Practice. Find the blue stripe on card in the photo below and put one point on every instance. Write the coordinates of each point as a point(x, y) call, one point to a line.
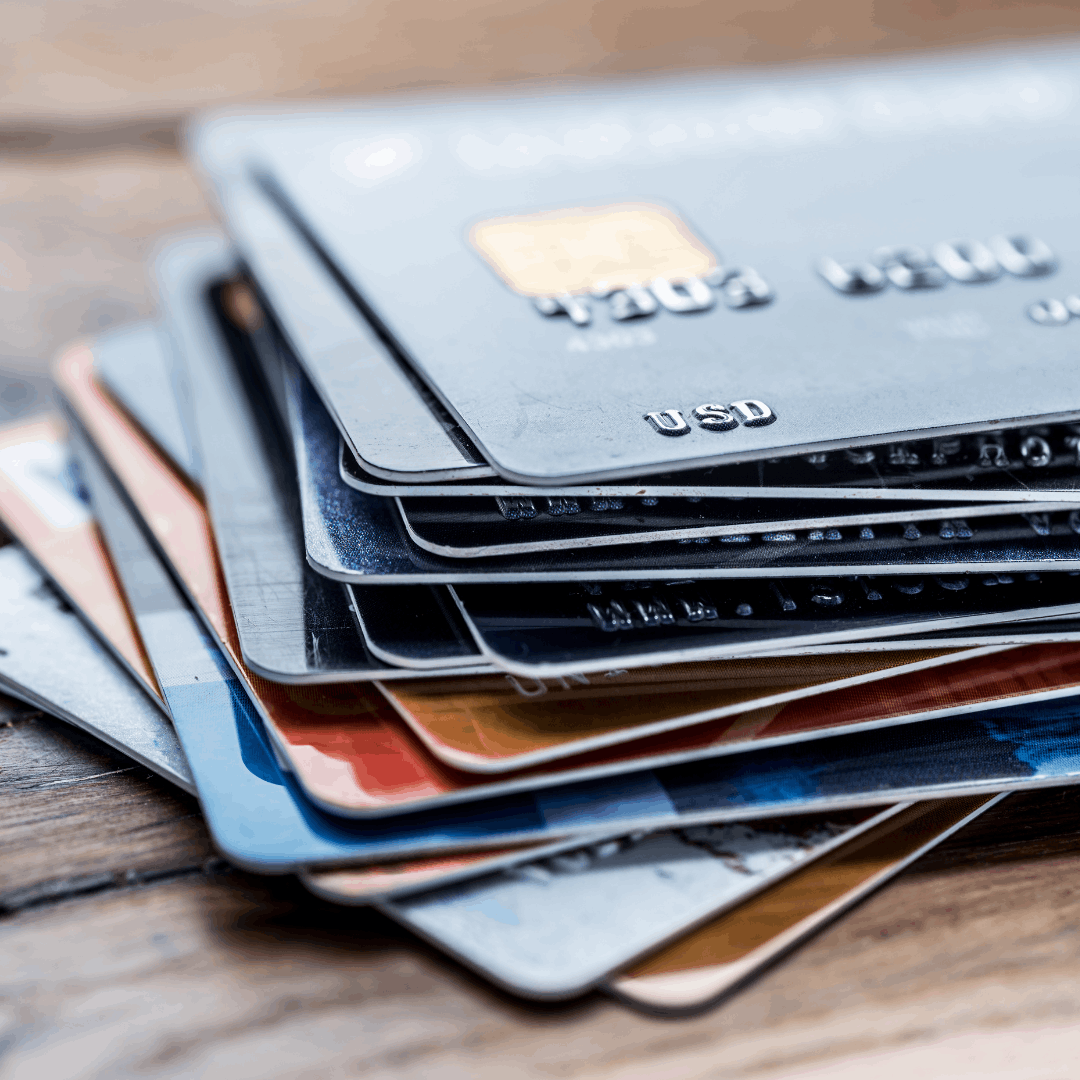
point(635, 795)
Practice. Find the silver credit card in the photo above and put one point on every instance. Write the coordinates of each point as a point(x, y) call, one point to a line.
point(51, 660)
point(981, 471)
point(644, 279)
point(137, 366)
point(553, 928)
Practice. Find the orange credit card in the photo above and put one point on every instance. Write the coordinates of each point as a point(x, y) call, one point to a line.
point(41, 507)
point(364, 884)
point(707, 965)
point(502, 723)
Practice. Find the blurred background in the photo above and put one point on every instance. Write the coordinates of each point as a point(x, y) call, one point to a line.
point(95, 90)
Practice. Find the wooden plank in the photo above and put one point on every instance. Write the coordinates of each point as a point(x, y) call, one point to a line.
point(75, 816)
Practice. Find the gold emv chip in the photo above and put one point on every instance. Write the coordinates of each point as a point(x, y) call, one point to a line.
point(585, 249)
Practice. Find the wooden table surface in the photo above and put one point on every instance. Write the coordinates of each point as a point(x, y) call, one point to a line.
point(127, 948)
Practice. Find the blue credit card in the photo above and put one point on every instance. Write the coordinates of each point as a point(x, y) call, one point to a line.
point(261, 820)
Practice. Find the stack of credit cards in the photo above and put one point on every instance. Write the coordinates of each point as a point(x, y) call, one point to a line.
point(612, 531)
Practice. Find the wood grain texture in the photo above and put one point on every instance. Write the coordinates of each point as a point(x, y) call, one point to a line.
point(76, 817)
point(83, 60)
point(75, 235)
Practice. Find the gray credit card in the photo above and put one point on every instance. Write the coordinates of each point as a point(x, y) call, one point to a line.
point(138, 367)
point(51, 660)
point(643, 279)
point(399, 441)
point(1012, 465)
point(392, 423)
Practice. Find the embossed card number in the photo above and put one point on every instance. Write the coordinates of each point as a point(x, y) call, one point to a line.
point(967, 261)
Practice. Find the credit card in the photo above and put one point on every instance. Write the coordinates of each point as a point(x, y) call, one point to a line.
point(556, 630)
point(42, 507)
point(718, 959)
point(478, 528)
point(906, 472)
point(632, 280)
point(414, 626)
point(555, 928)
point(138, 366)
point(499, 723)
point(316, 318)
point(350, 536)
point(49, 659)
point(313, 317)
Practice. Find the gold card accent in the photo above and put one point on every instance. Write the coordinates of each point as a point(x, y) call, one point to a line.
point(587, 248)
